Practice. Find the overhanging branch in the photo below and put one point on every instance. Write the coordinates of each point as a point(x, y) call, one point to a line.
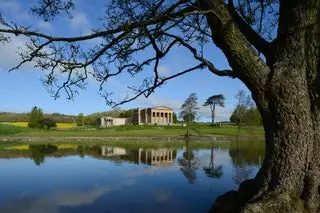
point(251, 35)
point(206, 62)
point(147, 91)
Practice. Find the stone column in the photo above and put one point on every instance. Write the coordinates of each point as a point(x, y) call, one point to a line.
point(139, 118)
point(146, 116)
point(171, 116)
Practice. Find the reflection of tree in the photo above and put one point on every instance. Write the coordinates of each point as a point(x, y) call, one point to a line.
point(245, 155)
point(189, 164)
point(212, 171)
point(38, 152)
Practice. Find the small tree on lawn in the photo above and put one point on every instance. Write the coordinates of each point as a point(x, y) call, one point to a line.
point(212, 102)
point(189, 110)
point(35, 118)
point(244, 103)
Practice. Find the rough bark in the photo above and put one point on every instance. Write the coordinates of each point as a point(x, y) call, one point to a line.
point(286, 90)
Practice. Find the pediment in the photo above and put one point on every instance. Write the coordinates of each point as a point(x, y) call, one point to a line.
point(162, 108)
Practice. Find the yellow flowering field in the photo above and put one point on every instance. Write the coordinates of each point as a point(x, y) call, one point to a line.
point(59, 125)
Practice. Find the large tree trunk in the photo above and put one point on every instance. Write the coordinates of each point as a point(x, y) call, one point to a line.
point(213, 110)
point(287, 94)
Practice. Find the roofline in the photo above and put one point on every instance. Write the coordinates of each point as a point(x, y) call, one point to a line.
point(162, 106)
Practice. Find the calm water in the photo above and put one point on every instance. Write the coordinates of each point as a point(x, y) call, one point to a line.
point(186, 177)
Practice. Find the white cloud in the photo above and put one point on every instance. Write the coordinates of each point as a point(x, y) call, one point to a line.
point(44, 25)
point(9, 56)
point(50, 203)
point(79, 22)
point(163, 70)
point(10, 6)
point(13, 10)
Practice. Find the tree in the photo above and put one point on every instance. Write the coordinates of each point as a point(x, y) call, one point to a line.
point(47, 123)
point(253, 117)
point(212, 102)
point(175, 119)
point(189, 110)
point(243, 104)
point(80, 119)
point(273, 47)
point(127, 113)
point(189, 118)
point(35, 118)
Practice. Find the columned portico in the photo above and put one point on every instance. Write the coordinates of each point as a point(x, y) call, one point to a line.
point(158, 115)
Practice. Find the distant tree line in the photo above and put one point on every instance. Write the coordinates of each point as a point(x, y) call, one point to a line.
point(24, 117)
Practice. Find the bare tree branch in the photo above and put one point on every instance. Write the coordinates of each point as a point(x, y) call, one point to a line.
point(146, 92)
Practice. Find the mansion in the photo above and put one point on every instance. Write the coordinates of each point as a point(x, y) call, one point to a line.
point(160, 115)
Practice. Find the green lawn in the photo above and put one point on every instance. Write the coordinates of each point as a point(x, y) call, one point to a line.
point(133, 130)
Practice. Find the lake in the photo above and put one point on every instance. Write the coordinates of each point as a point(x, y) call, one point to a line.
point(125, 177)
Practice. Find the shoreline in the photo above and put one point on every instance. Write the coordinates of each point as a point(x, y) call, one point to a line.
point(119, 138)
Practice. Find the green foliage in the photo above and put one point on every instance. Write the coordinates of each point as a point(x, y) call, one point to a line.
point(112, 113)
point(90, 121)
point(189, 118)
point(243, 116)
point(127, 113)
point(238, 114)
point(80, 119)
point(48, 123)
point(36, 115)
point(175, 119)
point(216, 100)
point(24, 117)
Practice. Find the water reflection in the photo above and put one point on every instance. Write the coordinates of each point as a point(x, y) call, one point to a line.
point(243, 157)
point(213, 171)
point(39, 151)
point(183, 177)
point(189, 163)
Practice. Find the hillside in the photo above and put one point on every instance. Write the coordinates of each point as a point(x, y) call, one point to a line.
point(23, 117)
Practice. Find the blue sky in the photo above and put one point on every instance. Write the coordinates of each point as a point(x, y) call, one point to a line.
point(21, 90)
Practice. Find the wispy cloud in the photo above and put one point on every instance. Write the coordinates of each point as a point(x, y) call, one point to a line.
point(163, 70)
point(52, 202)
point(79, 22)
point(44, 25)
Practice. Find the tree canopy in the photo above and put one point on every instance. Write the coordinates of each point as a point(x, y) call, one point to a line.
point(189, 109)
point(36, 115)
point(127, 29)
point(212, 102)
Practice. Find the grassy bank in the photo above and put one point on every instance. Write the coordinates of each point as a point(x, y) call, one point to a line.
point(131, 131)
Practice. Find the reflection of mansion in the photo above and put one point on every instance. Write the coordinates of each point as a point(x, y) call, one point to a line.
point(161, 115)
point(154, 157)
